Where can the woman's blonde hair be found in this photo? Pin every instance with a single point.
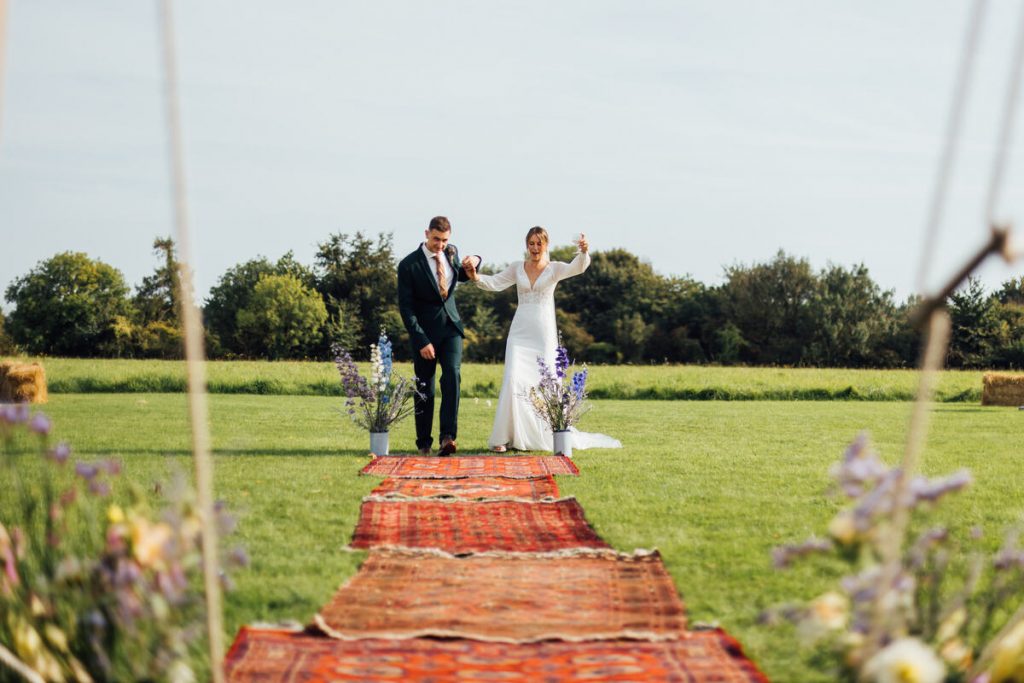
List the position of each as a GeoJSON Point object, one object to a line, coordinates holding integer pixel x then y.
{"type": "Point", "coordinates": [537, 230]}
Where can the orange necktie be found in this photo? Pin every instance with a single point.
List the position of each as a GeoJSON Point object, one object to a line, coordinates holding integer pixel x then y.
{"type": "Point", "coordinates": [442, 277]}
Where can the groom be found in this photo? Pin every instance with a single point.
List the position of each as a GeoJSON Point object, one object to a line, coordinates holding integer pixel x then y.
{"type": "Point", "coordinates": [426, 299]}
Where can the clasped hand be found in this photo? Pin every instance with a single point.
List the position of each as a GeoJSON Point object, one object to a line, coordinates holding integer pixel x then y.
{"type": "Point", "coordinates": [469, 265]}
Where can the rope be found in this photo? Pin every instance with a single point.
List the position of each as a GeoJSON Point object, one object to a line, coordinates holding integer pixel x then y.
{"type": "Point", "coordinates": [933, 360]}
{"type": "Point", "coordinates": [194, 355]}
{"type": "Point", "coordinates": [1006, 129]}
{"type": "Point", "coordinates": [3, 50]}
{"type": "Point", "coordinates": [961, 92]}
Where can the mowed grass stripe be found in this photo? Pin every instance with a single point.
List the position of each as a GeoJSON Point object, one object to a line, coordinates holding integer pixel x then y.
{"type": "Point", "coordinates": [620, 382]}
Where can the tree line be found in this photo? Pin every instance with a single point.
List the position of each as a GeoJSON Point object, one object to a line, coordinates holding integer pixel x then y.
{"type": "Point", "coordinates": [777, 312]}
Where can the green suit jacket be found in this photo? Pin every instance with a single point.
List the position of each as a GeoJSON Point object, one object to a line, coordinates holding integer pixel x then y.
{"type": "Point", "coordinates": [428, 318]}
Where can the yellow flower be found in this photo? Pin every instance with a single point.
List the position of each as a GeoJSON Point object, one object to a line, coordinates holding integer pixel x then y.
{"type": "Point", "coordinates": [957, 655]}
{"type": "Point", "coordinates": [115, 514]}
{"type": "Point", "coordinates": [1008, 662]}
{"type": "Point", "coordinates": [27, 642]}
{"type": "Point", "coordinates": [842, 528]}
{"type": "Point", "coordinates": [907, 660]}
{"type": "Point", "coordinates": [148, 540]}
{"type": "Point", "coordinates": [853, 642]}
{"type": "Point", "coordinates": [827, 612]}
{"type": "Point", "coordinates": [56, 637]}
{"type": "Point", "coordinates": [951, 625]}
{"type": "Point", "coordinates": [831, 609]}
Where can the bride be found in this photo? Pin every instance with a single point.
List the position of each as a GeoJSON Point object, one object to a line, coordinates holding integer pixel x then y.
{"type": "Point", "coordinates": [533, 335]}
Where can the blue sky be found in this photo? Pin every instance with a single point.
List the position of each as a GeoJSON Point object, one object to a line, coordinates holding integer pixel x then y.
{"type": "Point", "coordinates": [695, 134]}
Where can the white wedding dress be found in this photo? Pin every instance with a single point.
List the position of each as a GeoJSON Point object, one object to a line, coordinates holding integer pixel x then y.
{"type": "Point", "coordinates": [533, 335]}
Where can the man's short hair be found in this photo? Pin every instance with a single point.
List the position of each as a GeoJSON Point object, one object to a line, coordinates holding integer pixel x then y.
{"type": "Point", "coordinates": [440, 223]}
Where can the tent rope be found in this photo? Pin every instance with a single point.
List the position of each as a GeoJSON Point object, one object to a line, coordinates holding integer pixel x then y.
{"type": "Point", "coordinates": [3, 51]}
{"type": "Point", "coordinates": [961, 93]}
{"type": "Point", "coordinates": [194, 354]}
{"type": "Point", "coordinates": [1005, 136]}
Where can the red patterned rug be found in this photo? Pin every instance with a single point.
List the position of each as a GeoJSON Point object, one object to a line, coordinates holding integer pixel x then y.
{"type": "Point", "coordinates": [540, 488]}
{"type": "Point", "coordinates": [267, 656]}
{"type": "Point", "coordinates": [467, 527]}
{"type": "Point", "coordinates": [513, 466]}
{"type": "Point", "coordinates": [595, 595]}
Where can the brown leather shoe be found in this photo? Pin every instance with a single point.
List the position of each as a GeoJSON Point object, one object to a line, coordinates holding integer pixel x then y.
{"type": "Point", "coordinates": [448, 446]}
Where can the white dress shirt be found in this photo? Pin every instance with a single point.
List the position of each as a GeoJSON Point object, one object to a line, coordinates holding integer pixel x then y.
{"type": "Point", "coordinates": [449, 271]}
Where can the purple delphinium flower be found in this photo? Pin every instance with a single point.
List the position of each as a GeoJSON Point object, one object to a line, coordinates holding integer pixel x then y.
{"type": "Point", "coordinates": [579, 383]}
{"type": "Point", "coordinates": [859, 469]}
{"type": "Point", "coordinates": [783, 555]}
{"type": "Point", "coordinates": [40, 424]}
{"type": "Point", "coordinates": [918, 553]}
{"type": "Point", "coordinates": [355, 385]}
{"type": "Point", "coordinates": [99, 488]}
{"type": "Point", "coordinates": [15, 413]}
{"type": "Point", "coordinates": [60, 453]}
{"type": "Point", "coordinates": [86, 470]}
{"type": "Point", "coordinates": [932, 490]}
{"type": "Point", "coordinates": [239, 557]}
{"type": "Point", "coordinates": [387, 356]}
{"type": "Point", "coordinates": [561, 361]}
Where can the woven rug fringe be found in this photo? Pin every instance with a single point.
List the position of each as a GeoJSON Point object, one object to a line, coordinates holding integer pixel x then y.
{"type": "Point", "coordinates": [607, 553]}
{"type": "Point", "coordinates": [625, 634]}
{"type": "Point", "coordinates": [449, 498]}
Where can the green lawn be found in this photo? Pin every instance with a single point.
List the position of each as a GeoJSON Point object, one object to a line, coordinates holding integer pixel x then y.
{"type": "Point", "coordinates": [714, 485]}
{"type": "Point", "coordinates": [658, 382]}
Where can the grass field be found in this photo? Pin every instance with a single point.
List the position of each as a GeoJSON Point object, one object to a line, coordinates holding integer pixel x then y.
{"type": "Point", "coordinates": [714, 485]}
{"type": "Point", "coordinates": [644, 382]}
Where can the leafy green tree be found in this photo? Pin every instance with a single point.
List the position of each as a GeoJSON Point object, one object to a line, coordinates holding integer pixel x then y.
{"type": "Point", "coordinates": [283, 319]}
{"type": "Point", "coordinates": [358, 281]}
{"type": "Point", "coordinates": [487, 317]}
{"type": "Point", "coordinates": [851, 319]}
{"type": "Point", "coordinates": [1009, 309]}
{"type": "Point", "coordinates": [902, 346]}
{"type": "Point", "coordinates": [67, 306]}
{"type": "Point", "coordinates": [6, 344]}
{"type": "Point", "coordinates": [156, 299]}
{"type": "Point", "coordinates": [156, 330]}
{"type": "Point", "coordinates": [575, 337]}
{"type": "Point", "coordinates": [977, 330]}
{"type": "Point", "coordinates": [678, 332]}
{"type": "Point", "coordinates": [770, 306]}
{"type": "Point", "coordinates": [1012, 292]}
{"type": "Point", "coordinates": [233, 292]}
{"type": "Point", "coordinates": [617, 300]}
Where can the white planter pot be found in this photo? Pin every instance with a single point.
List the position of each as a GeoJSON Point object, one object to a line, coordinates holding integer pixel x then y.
{"type": "Point", "coordinates": [379, 443]}
{"type": "Point", "coordinates": [563, 443]}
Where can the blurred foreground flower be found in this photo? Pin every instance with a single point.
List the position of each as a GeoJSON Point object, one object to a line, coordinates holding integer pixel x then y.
{"type": "Point", "coordinates": [933, 614]}
{"type": "Point", "coordinates": [94, 590]}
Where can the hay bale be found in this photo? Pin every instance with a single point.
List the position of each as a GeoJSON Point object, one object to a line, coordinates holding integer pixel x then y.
{"type": "Point", "coordinates": [1002, 389]}
{"type": "Point", "coordinates": [24, 383]}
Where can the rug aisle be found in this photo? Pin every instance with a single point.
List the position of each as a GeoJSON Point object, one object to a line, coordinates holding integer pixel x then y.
{"type": "Point", "coordinates": [479, 571]}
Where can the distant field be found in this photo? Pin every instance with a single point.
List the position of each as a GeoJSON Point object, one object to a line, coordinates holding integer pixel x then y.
{"type": "Point", "coordinates": [620, 382]}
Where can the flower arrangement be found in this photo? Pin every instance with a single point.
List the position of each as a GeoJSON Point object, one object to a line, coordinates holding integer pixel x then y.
{"type": "Point", "coordinates": [93, 588]}
{"type": "Point", "coordinates": [559, 399]}
{"type": "Point", "coordinates": [382, 401]}
{"type": "Point", "coordinates": [925, 619]}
